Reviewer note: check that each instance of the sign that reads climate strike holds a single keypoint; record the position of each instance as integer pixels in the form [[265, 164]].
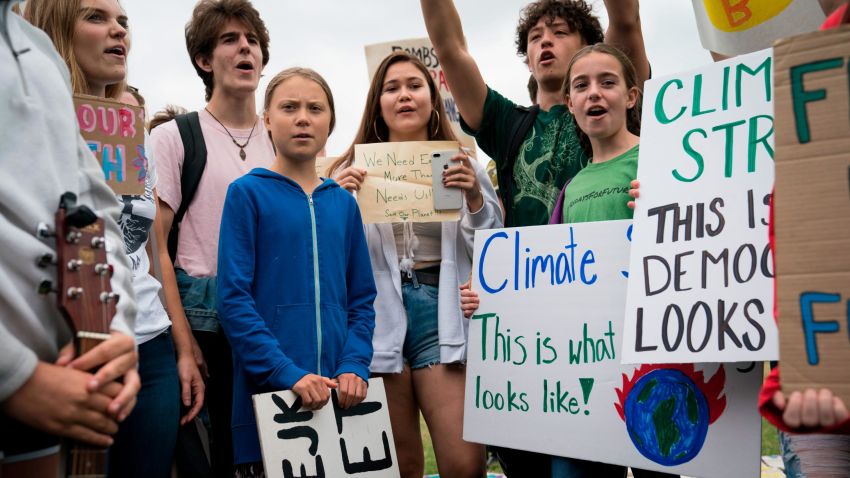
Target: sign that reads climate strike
[[701, 285]]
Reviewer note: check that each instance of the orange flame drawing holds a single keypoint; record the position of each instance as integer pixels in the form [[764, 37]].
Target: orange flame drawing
[[713, 389]]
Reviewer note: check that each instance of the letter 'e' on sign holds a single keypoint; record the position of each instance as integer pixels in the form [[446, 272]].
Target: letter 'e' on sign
[[331, 442], [812, 210]]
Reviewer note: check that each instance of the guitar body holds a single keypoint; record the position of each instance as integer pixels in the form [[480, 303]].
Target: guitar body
[[86, 301]]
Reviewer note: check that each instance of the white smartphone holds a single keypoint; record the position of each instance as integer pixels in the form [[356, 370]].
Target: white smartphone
[[444, 198]]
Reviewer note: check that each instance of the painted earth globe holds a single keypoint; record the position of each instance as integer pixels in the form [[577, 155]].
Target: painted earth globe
[[667, 417]]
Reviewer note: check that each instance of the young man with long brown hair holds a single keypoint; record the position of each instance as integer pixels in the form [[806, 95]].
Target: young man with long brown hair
[[227, 43]]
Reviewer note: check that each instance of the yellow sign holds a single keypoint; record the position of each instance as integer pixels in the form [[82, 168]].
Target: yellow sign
[[740, 15]]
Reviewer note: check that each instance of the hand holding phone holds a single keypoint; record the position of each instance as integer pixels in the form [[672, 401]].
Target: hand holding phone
[[445, 197], [461, 174]]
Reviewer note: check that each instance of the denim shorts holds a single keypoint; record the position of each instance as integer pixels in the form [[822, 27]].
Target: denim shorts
[[198, 295], [815, 454], [789, 458], [422, 342]]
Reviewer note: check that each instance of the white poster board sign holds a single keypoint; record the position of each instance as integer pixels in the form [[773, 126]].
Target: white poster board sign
[[544, 371], [736, 27], [702, 273], [330, 442]]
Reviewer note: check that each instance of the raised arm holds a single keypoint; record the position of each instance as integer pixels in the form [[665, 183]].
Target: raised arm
[[462, 74], [625, 33]]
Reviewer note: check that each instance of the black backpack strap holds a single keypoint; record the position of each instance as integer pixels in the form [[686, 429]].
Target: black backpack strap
[[525, 120], [194, 162]]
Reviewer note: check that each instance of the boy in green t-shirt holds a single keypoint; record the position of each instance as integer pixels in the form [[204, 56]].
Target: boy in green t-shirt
[[533, 162]]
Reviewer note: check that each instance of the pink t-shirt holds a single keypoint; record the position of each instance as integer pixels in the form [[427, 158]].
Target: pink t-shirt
[[197, 247]]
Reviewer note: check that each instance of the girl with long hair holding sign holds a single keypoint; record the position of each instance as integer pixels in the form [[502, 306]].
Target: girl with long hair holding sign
[[93, 38], [295, 287], [420, 332], [602, 93]]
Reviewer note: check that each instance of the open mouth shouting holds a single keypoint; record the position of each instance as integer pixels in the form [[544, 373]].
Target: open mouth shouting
[[596, 111], [118, 51], [546, 58], [245, 66]]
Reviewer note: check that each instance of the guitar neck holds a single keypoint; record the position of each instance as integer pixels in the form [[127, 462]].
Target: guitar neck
[[87, 303], [83, 460]]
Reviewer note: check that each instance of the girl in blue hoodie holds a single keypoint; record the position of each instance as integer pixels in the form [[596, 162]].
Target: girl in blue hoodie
[[295, 286]]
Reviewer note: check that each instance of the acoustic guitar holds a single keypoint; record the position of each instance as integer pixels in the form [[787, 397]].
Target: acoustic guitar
[[86, 300]]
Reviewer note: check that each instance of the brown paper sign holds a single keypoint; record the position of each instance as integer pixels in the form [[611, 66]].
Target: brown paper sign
[[322, 165], [812, 210], [397, 187], [115, 133], [422, 49]]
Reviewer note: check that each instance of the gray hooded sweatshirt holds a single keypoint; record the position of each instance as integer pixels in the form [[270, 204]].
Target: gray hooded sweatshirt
[[42, 155]]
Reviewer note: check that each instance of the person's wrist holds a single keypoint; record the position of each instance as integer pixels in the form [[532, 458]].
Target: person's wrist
[[185, 353], [474, 199]]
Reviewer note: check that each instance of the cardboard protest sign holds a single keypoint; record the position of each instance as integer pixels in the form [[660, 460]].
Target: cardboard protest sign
[[422, 49], [812, 210], [701, 286], [330, 442], [322, 165], [115, 133], [544, 372], [736, 27], [397, 187]]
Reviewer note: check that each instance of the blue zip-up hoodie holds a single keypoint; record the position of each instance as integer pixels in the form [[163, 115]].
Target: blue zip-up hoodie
[[295, 290]]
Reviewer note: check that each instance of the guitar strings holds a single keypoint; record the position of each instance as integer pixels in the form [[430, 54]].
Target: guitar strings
[[83, 457]]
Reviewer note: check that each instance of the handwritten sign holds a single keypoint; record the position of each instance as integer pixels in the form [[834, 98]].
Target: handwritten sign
[[812, 210], [424, 50], [702, 273], [544, 371], [115, 133], [736, 27], [330, 442], [397, 187]]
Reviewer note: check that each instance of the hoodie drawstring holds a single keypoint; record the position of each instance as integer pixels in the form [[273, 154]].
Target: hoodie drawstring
[[411, 242]]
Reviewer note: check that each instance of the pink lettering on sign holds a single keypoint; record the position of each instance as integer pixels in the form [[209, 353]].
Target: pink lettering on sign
[[111, 121], [86, 118], [128, 122], [115, 134], [108, 120]]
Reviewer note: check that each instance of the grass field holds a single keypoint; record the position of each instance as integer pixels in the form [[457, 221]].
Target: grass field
[[769, 446]]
